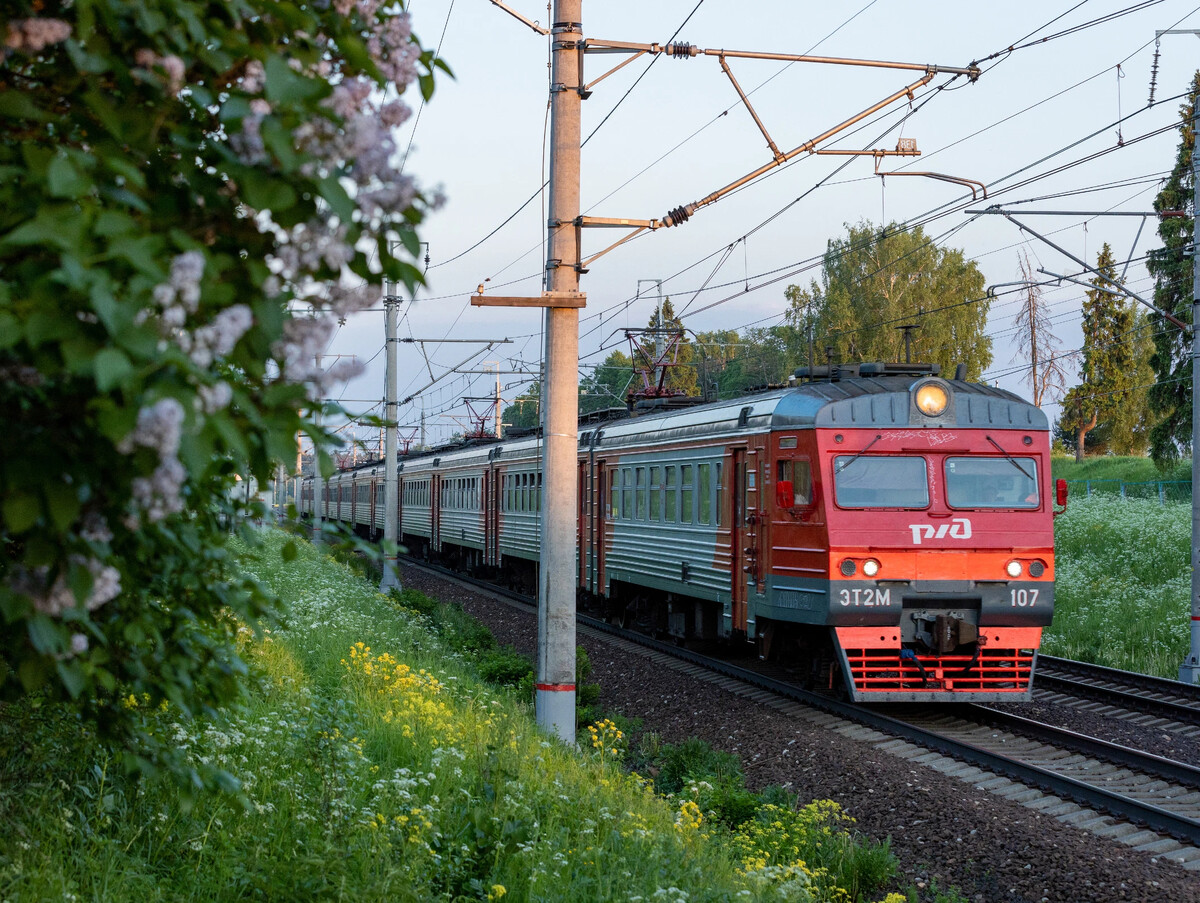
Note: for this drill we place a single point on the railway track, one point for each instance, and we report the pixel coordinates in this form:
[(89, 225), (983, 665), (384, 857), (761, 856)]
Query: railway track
[(1144, 801), (1148, 701)]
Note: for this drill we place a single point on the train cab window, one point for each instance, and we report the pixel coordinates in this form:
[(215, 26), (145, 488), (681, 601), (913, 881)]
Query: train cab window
[(686, 494), (992, 483), (704, 493), (670, 492), (799, 473), (878, 481), (656, 494), (640, 485), (626, 492)]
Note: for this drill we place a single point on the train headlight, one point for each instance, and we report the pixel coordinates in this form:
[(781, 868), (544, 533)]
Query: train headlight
[(1036, 569), (1013, 569), (870, 567), (848, 567), (932, 399)]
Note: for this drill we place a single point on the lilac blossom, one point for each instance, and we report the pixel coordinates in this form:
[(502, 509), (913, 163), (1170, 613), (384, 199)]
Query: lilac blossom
[(54, 599), (158, 427), (220, 336), (34, 35), (214, 398)]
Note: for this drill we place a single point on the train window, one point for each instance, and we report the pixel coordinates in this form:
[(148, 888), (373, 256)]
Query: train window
[(627, 492), (537, 494), (523, 493), (640, 482), (799, 473), (614, 480), (991, 483), (876, 481), (669, 496), (656, 494), (704, 493), (685, 494)]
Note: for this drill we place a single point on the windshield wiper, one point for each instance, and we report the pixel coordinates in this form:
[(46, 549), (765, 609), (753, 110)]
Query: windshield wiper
[(865, 448), (1011, 459)]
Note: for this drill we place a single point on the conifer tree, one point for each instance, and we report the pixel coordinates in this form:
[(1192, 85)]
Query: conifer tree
[(683, 376), (1170, 398), (1108, 371)]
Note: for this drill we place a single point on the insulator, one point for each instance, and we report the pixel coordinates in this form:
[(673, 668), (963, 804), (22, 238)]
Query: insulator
[(1154, 72), (678, 216), (682, 51)]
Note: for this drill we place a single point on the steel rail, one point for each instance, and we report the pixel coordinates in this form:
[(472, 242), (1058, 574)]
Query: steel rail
[(1145, 693), (1142, 762), (1133, 810)]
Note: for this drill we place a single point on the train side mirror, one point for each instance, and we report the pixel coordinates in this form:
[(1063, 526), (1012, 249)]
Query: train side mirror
[(785, 494), (1060, 493)]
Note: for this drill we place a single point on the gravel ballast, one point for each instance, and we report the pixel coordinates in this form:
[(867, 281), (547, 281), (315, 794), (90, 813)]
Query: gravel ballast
[(942, 830)]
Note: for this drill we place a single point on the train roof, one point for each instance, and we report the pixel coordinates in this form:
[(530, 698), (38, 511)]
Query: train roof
[(852, 402)]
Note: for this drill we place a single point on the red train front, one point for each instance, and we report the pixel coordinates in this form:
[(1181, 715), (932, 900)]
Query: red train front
[(913, 520)]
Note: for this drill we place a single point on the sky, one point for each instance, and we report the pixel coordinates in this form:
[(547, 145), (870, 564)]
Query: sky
[(1042, 120)]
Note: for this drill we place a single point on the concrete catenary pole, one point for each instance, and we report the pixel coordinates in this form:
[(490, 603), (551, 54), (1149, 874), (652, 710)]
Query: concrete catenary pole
[(1189, 671), (318, 480), (391, 571), (555, 699)]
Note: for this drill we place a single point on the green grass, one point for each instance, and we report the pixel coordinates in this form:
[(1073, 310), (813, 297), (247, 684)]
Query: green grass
[(1106, 467), (1122, 584), (374, 763)]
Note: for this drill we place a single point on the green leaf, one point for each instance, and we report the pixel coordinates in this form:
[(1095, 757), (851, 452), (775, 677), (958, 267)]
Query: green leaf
[(287, 87), (289, 551), (111, 367), (33, 673), (10, 329), (43, 634), (63, 502), (21, 511), (72, 677), (268, 194), (15, 105), (335, 195), (64, 180)]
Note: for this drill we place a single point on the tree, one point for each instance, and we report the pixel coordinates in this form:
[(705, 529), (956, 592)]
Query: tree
[(875, 281), (1108, 374), (178, 176), (525, 411), (608, 386), (757, 358), (1170, 398), (1036, 342), (666, 328)]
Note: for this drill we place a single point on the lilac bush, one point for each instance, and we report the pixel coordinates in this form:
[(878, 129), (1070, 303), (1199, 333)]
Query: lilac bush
[(191, 193)]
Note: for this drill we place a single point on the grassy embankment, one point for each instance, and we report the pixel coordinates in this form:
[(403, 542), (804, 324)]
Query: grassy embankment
[(375, 763), (1122, 584)]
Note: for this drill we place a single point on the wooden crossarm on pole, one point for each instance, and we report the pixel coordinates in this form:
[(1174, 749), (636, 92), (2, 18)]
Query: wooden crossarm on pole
[(545, 299)]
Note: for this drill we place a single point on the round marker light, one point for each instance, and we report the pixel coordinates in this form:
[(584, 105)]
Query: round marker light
[(932, 399), (848, 567), (870, 567), (1036, 569), (1013, 569)]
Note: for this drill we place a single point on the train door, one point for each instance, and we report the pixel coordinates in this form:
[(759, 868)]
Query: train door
[(599, 501), (400, 507), (435, 512), (759, 526), (582, 520), (739, 570)]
